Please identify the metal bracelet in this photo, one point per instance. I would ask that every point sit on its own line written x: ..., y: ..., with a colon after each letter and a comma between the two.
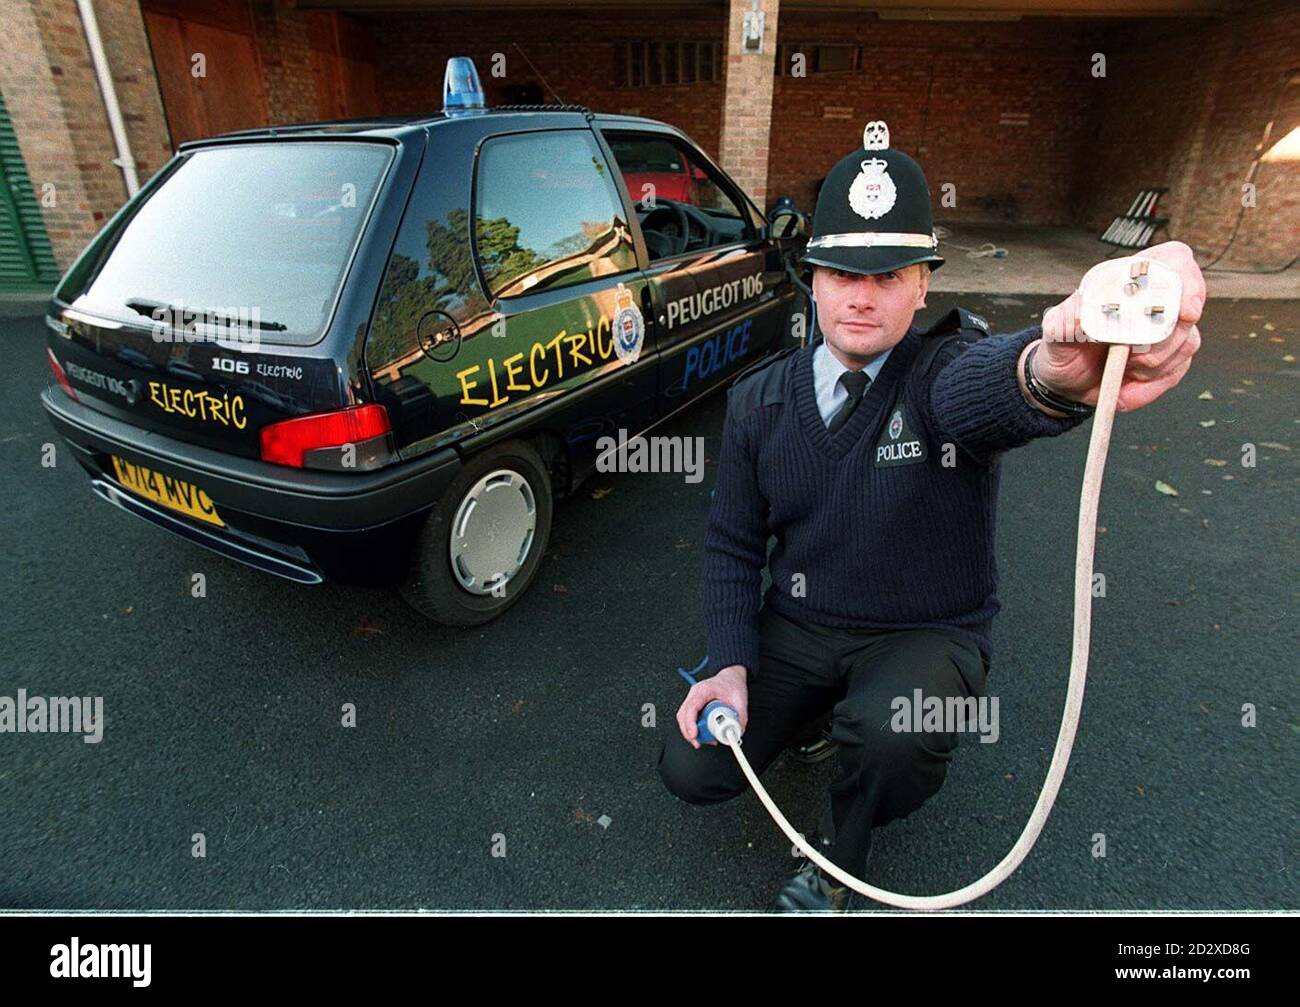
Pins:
x: 1050, y: 398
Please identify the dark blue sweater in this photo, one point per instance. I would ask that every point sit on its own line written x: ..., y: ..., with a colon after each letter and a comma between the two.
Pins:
x: 887, y: 533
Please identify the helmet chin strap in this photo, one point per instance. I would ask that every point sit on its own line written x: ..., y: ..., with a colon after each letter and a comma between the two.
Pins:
x: 1125, y: 302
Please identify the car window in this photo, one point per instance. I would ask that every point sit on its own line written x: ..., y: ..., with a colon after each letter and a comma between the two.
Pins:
x: 547, y: 214
x: 266, y: 228
x: 660, y: 173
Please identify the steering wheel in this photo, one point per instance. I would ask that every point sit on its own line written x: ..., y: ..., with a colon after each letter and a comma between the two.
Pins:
x: 667, y: 206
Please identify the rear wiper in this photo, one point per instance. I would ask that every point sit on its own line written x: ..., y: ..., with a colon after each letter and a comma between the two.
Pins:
x: 148, y: 308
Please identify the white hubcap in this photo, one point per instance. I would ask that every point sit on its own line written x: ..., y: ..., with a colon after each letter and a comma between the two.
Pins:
x: 493, y: 531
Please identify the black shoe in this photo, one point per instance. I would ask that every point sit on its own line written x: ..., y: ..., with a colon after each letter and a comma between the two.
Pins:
x: 808, y: 891
x: 814, y: 750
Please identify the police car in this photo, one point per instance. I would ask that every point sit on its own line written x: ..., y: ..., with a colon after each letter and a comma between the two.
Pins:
x: 381, y: 349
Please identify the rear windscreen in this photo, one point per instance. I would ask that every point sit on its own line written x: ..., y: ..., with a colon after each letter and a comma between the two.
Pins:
x: 263, y: 231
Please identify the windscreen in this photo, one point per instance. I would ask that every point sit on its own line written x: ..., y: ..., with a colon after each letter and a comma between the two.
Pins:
x: 261, y: 234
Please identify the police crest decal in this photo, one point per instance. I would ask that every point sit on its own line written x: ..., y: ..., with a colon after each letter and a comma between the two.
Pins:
x: 629, y: 326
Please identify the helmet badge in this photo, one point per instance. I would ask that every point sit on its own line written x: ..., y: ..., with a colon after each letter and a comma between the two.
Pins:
x: 872, y: 193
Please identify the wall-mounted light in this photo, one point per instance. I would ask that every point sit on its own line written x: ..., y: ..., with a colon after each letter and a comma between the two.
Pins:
x: 751, y: 29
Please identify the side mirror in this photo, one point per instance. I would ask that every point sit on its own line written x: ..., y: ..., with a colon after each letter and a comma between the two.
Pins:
x: 788, y: 222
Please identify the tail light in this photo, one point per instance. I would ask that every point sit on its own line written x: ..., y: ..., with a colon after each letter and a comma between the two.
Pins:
x: 60, y: 375
x: 354, y: 438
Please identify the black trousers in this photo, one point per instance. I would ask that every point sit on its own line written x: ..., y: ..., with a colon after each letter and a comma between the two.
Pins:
x: 806, y: 670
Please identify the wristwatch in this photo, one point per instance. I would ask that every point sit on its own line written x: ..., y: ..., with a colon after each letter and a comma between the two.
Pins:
x: 1050, y: 398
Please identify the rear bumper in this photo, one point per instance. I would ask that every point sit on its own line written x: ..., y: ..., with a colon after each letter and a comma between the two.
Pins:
x: 295, y: 523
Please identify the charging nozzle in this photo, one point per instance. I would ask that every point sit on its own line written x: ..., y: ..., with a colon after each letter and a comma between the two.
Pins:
x: 719, y: 722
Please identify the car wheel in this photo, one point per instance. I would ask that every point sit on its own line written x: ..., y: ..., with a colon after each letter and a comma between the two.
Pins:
x: 483, y: 542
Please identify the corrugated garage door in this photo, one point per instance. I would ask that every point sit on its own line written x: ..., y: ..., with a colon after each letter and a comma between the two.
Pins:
x: 26, y: 261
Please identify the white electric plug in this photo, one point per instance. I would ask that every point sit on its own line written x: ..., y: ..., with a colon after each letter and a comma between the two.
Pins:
x: 1134, y: 300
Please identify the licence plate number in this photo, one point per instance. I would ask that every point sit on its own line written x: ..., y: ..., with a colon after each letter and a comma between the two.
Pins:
x: 174, y: 494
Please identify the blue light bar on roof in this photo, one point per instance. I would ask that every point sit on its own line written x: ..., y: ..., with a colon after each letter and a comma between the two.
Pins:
x: 461, y: 90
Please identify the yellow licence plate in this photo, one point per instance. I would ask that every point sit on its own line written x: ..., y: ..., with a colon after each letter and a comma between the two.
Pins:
x: 174, y: 494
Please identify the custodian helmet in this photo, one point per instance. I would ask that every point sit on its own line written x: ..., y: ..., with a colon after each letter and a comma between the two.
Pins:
x: 873, y: 212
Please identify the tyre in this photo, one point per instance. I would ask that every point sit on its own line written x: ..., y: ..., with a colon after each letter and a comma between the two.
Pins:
x: 483, y: 543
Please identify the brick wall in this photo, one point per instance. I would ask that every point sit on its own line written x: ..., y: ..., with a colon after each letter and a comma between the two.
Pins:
x: 1009, y: 113
x: 942, y: 88
x: 747, y: 106
x: 281, y: 34
x: 569, y: 49
x: 52, y: 93
x: 1185, y: 105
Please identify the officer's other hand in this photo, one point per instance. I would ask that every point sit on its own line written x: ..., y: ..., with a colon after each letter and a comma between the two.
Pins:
x: 1072, y: 367
x: 729, y: 685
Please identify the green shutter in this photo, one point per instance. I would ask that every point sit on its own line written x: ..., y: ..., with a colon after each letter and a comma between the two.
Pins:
x: 26, y: 259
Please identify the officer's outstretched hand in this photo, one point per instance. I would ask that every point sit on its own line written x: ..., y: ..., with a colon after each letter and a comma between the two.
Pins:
x: 728, y: 685
x: 1071, y: 366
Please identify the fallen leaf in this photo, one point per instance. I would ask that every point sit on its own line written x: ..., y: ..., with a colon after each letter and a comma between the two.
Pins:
x: 368, y: 628
x: 1166, y: 489
x: 1218, y: 463
x: 1289, y: 358
x: 517, y: 707
x: 1247, y: 381
x: 582, y: 816
x: 1269, y: 326
x: 601, y: 491
x: 1207, y: 423
x: 1251, y: 335
x: 1276, y: 339
x: 1205, y: 395
x: 1142, y: 792
x: 1263, y: 444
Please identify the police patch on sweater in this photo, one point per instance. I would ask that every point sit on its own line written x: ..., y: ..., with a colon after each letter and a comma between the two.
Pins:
x: 899, y: 443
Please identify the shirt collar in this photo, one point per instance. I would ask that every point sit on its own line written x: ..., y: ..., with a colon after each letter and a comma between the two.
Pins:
x: 827, y: 367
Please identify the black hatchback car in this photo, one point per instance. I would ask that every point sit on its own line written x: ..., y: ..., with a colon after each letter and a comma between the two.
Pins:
x: 384, y: 347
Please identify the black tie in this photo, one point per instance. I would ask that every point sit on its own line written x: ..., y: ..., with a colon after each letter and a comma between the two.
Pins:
x: 855, y: 382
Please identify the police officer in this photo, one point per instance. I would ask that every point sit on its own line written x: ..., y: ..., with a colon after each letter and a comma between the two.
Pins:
x: 872, y: 455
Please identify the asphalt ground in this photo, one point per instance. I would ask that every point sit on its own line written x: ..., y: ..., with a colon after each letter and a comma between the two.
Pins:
x: 223, y: 713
